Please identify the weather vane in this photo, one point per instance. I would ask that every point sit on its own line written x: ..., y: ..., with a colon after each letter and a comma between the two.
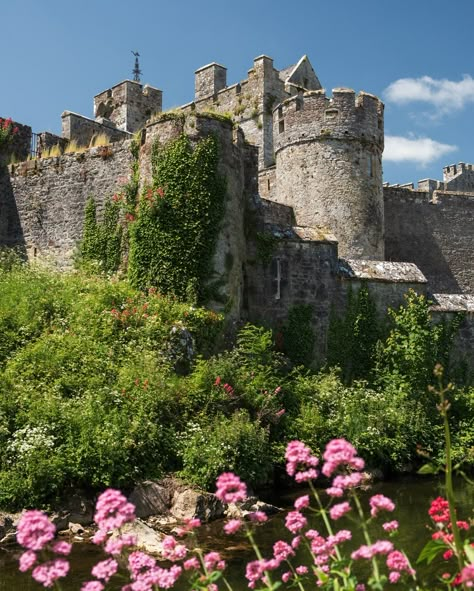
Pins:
x: 136, y: 70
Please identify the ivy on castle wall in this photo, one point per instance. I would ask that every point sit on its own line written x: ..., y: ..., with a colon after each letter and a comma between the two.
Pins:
x: 173, y: 236
x: 102, y: 242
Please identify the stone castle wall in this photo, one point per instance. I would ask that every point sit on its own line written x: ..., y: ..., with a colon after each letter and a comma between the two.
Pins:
x: 42, y: 201
x: 329, y: 166
x: 435, y: 232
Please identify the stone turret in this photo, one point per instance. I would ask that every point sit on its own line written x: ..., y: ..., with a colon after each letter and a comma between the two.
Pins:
x: 128, y: 105
x: 329, y: 166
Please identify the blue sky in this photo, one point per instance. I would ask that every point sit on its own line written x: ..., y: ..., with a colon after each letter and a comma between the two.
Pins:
x: 416, y: 55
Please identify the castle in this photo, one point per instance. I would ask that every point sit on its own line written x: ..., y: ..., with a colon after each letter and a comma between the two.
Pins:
x: 304, y: 175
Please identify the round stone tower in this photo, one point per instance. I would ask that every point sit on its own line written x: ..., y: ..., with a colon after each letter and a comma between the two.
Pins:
x: 328, y: 155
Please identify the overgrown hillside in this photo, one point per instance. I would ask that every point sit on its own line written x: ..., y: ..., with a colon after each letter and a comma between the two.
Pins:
x: 103, y: 385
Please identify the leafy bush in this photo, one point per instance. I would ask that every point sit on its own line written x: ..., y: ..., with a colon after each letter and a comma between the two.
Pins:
x: 233, y: 443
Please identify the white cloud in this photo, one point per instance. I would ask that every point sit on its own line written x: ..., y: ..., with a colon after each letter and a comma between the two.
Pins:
x: 444, y: 95
x: 420, y: 151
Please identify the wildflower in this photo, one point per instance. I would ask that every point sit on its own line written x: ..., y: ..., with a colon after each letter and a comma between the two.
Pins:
x: 467, y: 575
x: 337, y: 511
x: 232, y: 526
x: 105, y: 569
x: 51, y: 571
x: 299, y: 456
x: 34, y: 530
x: 347, y: 480
x: 439, y: 510
x: 282, y: 550
x: 230, y: 488
x: 92, y: 586
x: 390, y: 526
x: 286, y: 576
x: 258, y: 516
x: 113, y: 510
x: 302, y: 570
x: 294, y: 521
x: 340, y: 452
x: 380, y: 503
x: 172, y: 550
x: 27, y: 560
x: 302, y: 502
x: 213, y: 560
x: 114, y: 546
x: 191, y: 563
x: 334, y: 491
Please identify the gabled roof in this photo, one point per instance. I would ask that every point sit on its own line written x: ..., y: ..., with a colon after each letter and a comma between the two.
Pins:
x: 300, y: 72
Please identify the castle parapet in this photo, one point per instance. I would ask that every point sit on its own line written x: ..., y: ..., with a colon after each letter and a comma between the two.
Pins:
x: 345, y: 116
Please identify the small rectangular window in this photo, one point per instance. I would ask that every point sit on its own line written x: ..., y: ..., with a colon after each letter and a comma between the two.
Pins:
x: 281, y: 126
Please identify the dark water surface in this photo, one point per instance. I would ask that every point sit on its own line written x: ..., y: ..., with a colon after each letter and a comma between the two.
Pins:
x: 411, y: 495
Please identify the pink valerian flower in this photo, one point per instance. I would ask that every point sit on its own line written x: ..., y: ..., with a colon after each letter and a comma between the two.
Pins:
x: 345, y: 481
x: 301, y: 570
x: 99, y: 537
x: 396, y: 560
x: 27, y: 560
x: 390, y: 525
x: 340, y: 452
x: 191, y: 563
x: 337, y: 511
x: 189, y: 525
x: 230, y: 489
x: 282, y: 550
x: 92, y: 586
x: 105, y: 569
x: 258, y: 517
x: 295, y: 542
x: 51, y: 571
x: 394, y: 577
x: 294, y: 521
x: 213, y: 560
x: 286, y: 576
x: 368, y: 552
x: 232, y: 526
x: 172, y: 550
x: 343, y: 535
x: 380, y: 503
x: 139, y: 562
x: 334, y: 491
x: 114, y: 546
x: 300, y: 462
x: 166, y: 578
x: 34, y: 530
x: 113, y: 510
x: 360, y: 587
x: 467, y: 575
x: 301, y: 502
x: 439, y: 510
x: 62, y: 547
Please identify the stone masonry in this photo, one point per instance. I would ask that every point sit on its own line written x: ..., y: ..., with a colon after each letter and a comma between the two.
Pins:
x: 304, y: 179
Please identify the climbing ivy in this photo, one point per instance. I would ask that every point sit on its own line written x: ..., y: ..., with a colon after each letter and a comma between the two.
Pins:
x: 353, y: 337
x: 174, y: 231
x: 101, y: 243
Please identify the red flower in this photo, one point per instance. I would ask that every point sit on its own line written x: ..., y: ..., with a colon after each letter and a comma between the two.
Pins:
x: 439, y: 510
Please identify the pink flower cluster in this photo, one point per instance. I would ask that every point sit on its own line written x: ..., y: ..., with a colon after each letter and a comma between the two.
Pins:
x: 113, y: 510
x: 380, y: 503
x: 368, y: 552
x: 398, y: 563
x: 230, y: 489
x: 300, y: 462
x: 35, y: 532
x: 340, y: 452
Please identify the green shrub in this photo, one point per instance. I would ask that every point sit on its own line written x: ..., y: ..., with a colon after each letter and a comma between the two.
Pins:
x: 234, y: 443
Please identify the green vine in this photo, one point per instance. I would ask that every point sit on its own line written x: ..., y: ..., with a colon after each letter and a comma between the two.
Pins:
x: 101, y: 243
x: 174, y: 232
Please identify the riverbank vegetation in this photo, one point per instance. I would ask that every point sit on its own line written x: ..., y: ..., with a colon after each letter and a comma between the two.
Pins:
x: 103, y: 385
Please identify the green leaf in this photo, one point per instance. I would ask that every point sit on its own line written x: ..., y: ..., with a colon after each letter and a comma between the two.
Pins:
x: 429, y: 469
x: 430, y: 551
x: 469, y: 550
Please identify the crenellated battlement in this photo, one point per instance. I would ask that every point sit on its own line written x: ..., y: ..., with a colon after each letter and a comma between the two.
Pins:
x: 345, y: 116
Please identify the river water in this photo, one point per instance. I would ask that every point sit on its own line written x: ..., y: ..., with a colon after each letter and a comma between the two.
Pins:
x: 411, y: 495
